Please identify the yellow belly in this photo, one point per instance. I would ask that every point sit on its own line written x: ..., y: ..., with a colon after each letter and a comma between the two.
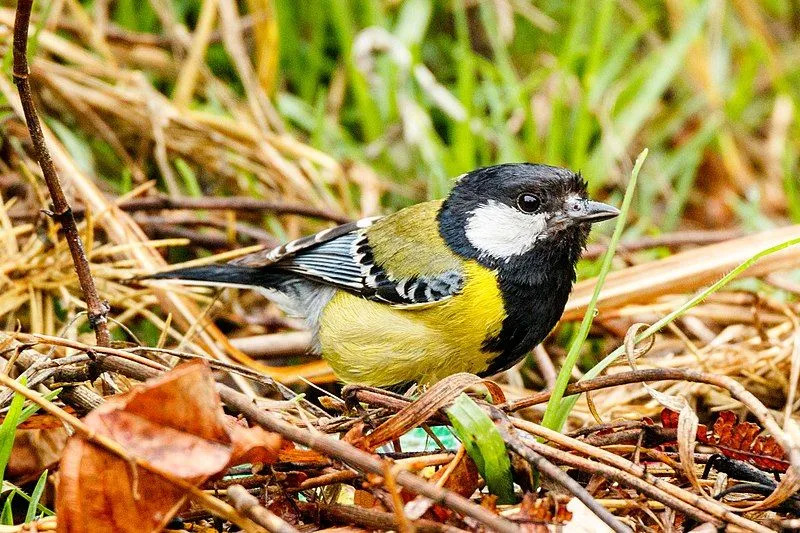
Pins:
x: 377, y: 344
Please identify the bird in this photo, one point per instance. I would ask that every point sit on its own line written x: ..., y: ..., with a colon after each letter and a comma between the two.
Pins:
x: 470, y: 283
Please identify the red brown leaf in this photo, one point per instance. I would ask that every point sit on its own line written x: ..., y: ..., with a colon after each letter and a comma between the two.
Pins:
x: 174, y: 423
x: 737, y: 440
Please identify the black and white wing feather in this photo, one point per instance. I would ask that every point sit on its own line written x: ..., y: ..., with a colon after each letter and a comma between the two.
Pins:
x: 342, y: 257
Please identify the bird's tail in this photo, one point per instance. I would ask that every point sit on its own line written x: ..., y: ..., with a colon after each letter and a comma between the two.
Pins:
x: 224, y: 275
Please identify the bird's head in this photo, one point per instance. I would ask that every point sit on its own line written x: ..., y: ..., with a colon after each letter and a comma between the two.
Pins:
x: 506, y: 213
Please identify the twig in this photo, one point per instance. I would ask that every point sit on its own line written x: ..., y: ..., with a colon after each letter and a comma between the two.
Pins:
x: 248, y: 505
x: 233, y: 203
x: 508, y: 433
x: 545, y: 366
x: 624, y: 471
x: 361, y: 460
x: 84, y: 400
x: 62, y: 212
x: 369, y: 518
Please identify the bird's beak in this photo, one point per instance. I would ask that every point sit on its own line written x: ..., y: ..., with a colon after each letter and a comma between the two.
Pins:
x: 589, y: 211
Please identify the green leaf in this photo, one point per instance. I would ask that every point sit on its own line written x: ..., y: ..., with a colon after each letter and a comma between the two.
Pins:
x: 31, y: 409
x: 484, y: 445
x: 8, y: 429
x: 36, y: 495
x: 7, y: 516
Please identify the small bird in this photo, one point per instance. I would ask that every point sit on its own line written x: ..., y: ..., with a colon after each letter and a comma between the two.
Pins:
x: 470, y: 283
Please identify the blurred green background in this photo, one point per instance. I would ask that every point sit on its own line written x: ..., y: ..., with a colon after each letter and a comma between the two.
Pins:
x: 423, y: 90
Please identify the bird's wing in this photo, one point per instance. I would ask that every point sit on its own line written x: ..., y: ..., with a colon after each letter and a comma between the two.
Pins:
x: 344, y: 257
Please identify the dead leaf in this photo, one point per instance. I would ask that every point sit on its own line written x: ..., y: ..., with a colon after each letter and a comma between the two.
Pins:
x: 174, y: 423
x: 33, y: 451
x: 737, y: 440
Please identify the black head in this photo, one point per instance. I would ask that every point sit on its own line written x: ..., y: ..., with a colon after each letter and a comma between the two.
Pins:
x: 522, y: 217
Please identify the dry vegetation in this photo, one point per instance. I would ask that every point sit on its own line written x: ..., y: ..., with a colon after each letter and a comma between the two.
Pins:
x: 196, y: 137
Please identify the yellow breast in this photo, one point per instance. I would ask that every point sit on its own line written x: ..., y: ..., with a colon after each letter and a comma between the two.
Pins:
x: 377, y: 344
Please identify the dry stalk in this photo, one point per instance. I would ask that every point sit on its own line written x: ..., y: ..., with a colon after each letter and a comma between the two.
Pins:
x: 651, y: 485
x: 549, y: 469
x: 361, y: 460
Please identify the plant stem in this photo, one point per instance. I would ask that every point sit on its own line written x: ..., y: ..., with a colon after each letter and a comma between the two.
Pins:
x: 62, y: 212
x: 552, y: 419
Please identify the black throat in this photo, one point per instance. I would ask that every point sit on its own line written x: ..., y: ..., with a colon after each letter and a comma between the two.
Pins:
x: 535, y: 287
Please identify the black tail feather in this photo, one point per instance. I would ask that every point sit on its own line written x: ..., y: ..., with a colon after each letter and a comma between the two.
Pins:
x: 225, y: 274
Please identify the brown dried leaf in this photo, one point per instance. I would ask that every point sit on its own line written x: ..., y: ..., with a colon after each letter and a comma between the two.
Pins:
x: 737, y: 440
x: 535, y: 514
x: 252, y: 444
x: 33, y: 451
x: 463, y: 480
x: 174, y: 423
x: 418, y: 412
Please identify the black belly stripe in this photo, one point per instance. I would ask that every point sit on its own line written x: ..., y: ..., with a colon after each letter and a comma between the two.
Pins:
x: 532, y: 310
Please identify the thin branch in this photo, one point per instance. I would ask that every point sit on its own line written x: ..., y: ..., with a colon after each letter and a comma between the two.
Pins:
x: 670, y: 240
x: 508, y: 433
x: 248, y: 505
x: 62, y: 212
x: 373, y: 519
x: 233, y: 203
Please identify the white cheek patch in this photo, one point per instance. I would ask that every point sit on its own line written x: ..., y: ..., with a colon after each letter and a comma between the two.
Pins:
x: 502, y: 232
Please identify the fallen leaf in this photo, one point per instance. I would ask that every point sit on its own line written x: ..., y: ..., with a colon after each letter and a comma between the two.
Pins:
x: 737, y: 440
x: 176, y: 424
x: 33, y: 451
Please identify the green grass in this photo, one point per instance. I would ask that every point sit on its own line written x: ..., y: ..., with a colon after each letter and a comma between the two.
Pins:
x: 690, y: 83
x: 552, y: 418
x: 17, y: 413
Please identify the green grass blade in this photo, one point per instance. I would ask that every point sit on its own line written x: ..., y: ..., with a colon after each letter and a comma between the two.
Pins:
x: 7, y: 516
x: 343, y: 23
x: 31, y: 409
x: 8, y: 430
x: 671, y: 60
x: 36, y: 496
x: 551, y: 417
x: 569, y: 402
x: 463, y: 138
x: 189, y: 178
x: 484, y: 445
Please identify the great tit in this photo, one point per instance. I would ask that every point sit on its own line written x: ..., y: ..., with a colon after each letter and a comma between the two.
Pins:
x: 467, y: 284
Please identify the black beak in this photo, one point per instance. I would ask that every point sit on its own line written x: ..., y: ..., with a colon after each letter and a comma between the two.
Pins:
x: 588, y: 211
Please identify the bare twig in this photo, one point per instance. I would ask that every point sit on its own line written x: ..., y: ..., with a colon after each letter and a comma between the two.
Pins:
x: 633, y: 475
x: 370, y: 518
x: 248, y: 505
x: 62, y: 212
x: 233, y: 203
x: 230, y: 203
x: 541, y: 464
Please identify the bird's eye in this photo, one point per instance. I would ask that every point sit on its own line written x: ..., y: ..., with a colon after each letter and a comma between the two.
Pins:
x: 528, y: 203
